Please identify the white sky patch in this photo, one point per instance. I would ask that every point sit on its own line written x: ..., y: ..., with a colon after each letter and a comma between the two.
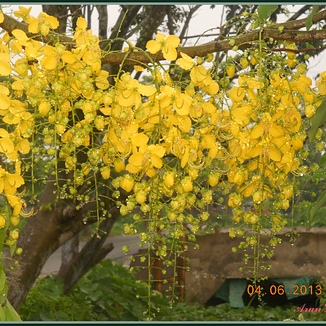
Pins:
x: 204, y: 20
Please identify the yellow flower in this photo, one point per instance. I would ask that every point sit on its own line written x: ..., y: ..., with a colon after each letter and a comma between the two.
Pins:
x: 266, y: 152
x: 2, y: 221
x: 131, y: 90
x: 237, y: 94
x: 182, y: 103
x: 42, y: 24
x: 302, y: 83
x: 185, y: 62
x: 105, y: 172
x: 5, y: 67
x: 10, y: 182
x: 16, y: 203
x: 130, y: 138
x: 147, y: 158
x: 119, y: 165
x: 267, y: 127
x: 212, y: 88
x: 24, y: 14
x: 321, y: 83
x: 168, y: 46
x: 230, y: 70
x: 127, y: 182
x: 250, y: 82
x: 20, y: 36
x: 310, y: 110
x: 200, y: 76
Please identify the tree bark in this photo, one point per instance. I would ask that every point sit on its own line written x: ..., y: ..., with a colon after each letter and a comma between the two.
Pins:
x: 60, y: 12
x: 43, y: 234
x: 102, y: 21
x: 91, y: 254
x: 69, y: 251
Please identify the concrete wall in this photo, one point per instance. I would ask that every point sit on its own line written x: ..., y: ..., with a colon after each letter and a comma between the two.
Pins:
x: 213, y: 262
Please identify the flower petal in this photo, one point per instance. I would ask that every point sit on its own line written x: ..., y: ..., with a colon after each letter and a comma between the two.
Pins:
x: 153, y: 46
x: 172, y: 40
x: 139, y: 139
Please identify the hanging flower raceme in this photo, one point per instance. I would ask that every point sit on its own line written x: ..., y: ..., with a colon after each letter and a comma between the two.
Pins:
x: 172, y: 144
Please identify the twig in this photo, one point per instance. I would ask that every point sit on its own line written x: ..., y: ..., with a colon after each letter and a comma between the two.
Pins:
x: 299, y: 13
x: 186, y: 25
x: 72, y: 14
x: 138, y: 27
x: 296, y: 50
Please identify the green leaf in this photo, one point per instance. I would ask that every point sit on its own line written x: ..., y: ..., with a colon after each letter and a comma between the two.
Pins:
x: 2, y: 314
x: 265, y: 11
x: 3, y: 284
x: 319, y: 203
x: 13, y: 249
x: 322, y: 160
x: 319, y: 175
x: 310, y: 17
x: 12, y: 311
x: 317, y: 120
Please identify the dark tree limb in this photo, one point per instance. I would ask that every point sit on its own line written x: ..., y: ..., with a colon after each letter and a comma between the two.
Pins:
x: 170, y: 20
x: 296, y: 24
x: 74, y: 12
x: 69, y: 250
x: 290, y: 33
x: 103, y: 21
x: 60, y: 12
x: 299, y: 12
x: 90, y: 255
x: 186, y: 24
x: 122, y: 25
x: 243, y: 41
x: 74, y: 9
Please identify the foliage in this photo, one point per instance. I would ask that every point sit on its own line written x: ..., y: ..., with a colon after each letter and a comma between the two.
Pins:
x: 98, y: 297
x: 45, y: 303
x: 118, y: 227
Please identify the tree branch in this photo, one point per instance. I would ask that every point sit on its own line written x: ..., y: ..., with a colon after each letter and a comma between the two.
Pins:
x: 82, y: 262
x: 246, y: 40
x: 170, y: 20
x: 9, y: 24
x: 296, y: 24
x: 243, y: 41
x: 186, y: 24
x: 74, y: 13
x: 299, y: 13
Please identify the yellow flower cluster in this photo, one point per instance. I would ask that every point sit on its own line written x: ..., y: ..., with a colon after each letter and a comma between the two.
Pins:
x: 169, y: 142
x: 265, y: 119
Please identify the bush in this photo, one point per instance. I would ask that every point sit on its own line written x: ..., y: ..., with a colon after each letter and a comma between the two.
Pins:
x: 109, y: 292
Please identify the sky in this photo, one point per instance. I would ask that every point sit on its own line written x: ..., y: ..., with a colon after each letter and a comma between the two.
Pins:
x: 203, y: 20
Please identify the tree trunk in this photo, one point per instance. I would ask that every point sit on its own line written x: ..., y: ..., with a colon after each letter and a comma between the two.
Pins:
x: 69, y: 250
x: 43, y: 234
x: 102, y: 21
x: 39, y: 238
x: 91, y: 254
